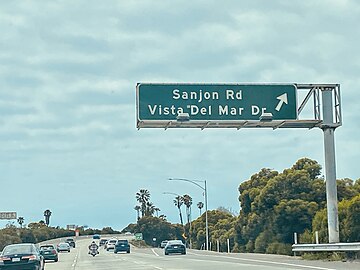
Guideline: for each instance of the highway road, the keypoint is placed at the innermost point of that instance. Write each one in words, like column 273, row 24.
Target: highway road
column 154, row 259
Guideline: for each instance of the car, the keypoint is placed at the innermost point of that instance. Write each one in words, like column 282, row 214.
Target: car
column 71, row 242
column 110, row 244
column 163, row 243
column 102, row 242
column 49, row 252
column 63, row 247
column 96, row 236
column 175, row 246
column 21, row 256
column 122, row 245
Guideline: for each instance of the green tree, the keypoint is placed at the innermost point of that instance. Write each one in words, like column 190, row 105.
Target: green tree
column 143, row 196
column 47, row 215
column 138, row 208
column 20, row 220
column 178, row 201
column 187, row 200
column 200, row 205
column 153, row 227
column 275, row 205
column 150, row 209
column 352, row 220
column 293, row 216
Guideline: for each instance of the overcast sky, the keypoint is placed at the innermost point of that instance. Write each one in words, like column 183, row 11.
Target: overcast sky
column 68, row 72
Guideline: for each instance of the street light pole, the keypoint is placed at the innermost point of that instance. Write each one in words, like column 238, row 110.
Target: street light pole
column 204, row 188
column 206, row 218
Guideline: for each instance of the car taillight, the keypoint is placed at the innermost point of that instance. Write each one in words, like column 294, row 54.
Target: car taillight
column 30, row 258
column 53, row 251
column 3, row 259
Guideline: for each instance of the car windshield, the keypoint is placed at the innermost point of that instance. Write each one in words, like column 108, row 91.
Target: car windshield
column 18, row 249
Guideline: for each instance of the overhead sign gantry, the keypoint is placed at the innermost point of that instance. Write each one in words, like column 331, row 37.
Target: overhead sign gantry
column 173, row 105
column 187, row 105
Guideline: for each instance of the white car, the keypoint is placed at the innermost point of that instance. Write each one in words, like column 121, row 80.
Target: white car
column 110, row 244
column 163, row 243
column 63, row 247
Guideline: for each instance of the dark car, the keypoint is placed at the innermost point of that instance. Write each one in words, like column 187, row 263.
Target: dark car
column 122, row 246
column 175, row 246
column 49, row 252
column 102, row 242
column 71, row 242
column 96, row 236
column 21, row 257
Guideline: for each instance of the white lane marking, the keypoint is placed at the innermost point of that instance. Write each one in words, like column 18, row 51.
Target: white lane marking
column 144, row 263
column 269, row 262
column 75, row 260
column 157, row 255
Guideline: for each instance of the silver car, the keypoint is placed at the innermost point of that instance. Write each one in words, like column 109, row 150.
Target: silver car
column 63, row 247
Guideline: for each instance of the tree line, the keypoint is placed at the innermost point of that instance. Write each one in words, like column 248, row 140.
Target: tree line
column 36, row 232
column 273, row 206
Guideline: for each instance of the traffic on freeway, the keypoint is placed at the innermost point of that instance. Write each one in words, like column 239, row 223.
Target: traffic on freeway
column 155, row 259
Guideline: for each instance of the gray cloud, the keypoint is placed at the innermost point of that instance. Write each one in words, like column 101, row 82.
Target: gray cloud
column 68, row 71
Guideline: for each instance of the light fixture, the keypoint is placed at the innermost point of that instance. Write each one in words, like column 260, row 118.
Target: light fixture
column 266, row 117
column 183, row 117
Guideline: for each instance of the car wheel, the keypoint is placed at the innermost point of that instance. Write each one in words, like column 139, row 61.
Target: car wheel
column 128, row 251
column 56, row 260
column 68, row 250
column 166, row 253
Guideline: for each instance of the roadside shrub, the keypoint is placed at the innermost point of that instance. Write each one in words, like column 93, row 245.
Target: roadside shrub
column 279, row 248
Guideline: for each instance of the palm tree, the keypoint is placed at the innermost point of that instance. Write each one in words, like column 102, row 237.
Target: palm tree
column 188, row 202
column 178, row 201
column 143, row 196
column 150, row 209
column 20, row 220
column 137, row 208
column 200, row 205
column 47, row 215
column 157, row 210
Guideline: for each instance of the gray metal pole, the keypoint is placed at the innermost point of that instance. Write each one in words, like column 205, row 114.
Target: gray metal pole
column 330, row 166
column 206, row 219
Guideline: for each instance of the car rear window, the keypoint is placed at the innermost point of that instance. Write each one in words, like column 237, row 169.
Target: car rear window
column 46, row 247
column 122, row 241
column 112, row 241
column 18, row 249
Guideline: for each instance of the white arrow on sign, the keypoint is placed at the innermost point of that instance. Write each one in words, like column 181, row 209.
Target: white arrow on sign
column 282, row 99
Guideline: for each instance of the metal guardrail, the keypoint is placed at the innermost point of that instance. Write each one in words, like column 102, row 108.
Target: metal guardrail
column 326, row 247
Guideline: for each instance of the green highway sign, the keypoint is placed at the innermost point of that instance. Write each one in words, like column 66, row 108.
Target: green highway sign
column 138, row 236
column 215, row 102
column 8, row 215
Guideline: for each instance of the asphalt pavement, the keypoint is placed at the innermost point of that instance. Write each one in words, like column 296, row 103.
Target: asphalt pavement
column 154, row 258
